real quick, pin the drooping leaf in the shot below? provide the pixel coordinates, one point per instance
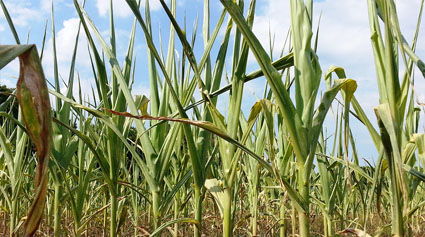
(215, 187)
(202, 124)
(33, 97)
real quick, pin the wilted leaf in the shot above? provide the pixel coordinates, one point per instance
(33, 97)
(142, 102)
(215, 187)
(202, 124)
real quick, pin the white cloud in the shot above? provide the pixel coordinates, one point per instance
(344, 36)
(121, 8)
(65, 42)
(140, 89)
(274, 17)
(344, 39)
(22, 12)
(46, 5)
(12, 68)
(10, 83)
(344, 32)
(9, 74)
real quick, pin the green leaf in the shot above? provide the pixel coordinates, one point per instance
(202, 124)
(10, 52)
(63, 157)
(298, 135)
(352, 165)
(10, 22)
(414, 172)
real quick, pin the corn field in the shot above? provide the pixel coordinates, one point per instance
(172, 164)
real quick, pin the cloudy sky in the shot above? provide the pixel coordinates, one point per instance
(343, 41)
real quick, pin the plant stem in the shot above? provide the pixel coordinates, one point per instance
(303, 216)
(155, 209)
(254, 211)
(13, 216)
(397, 219)
(227, 212)
(113, 220)
(56, 212)
(282, 219)
(198, 212)
(176, 215)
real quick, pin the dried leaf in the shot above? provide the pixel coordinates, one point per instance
(33, 98)
(359, 233)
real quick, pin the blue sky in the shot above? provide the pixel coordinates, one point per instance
(343, 41)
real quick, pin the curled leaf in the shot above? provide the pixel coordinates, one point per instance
(215, 187)
(33, 98)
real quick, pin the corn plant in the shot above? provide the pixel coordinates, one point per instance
(172, 163)
(393, 102)
(299, 119)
